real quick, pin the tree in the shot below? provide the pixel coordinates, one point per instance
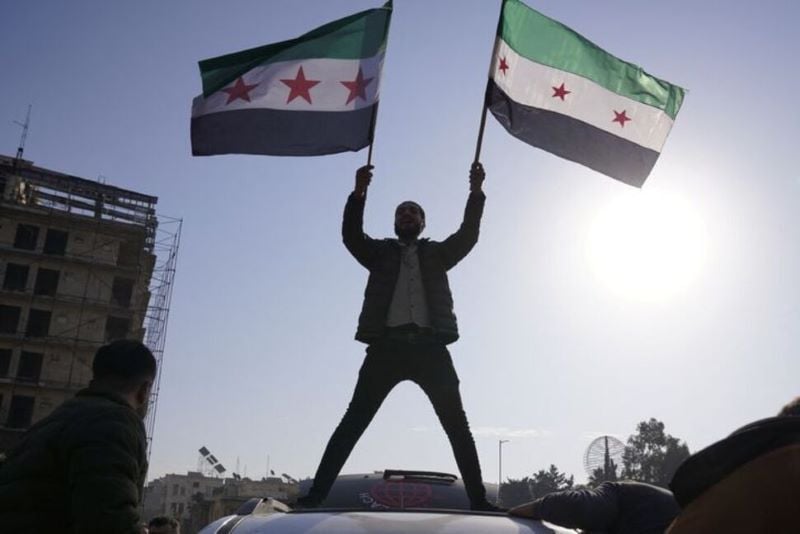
(652, 455)
(514, 492)
(545, 482)
(601, 474)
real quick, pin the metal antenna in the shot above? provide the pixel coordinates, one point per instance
(24, 136)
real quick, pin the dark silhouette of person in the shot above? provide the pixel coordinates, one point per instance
(81, 469)
(624, 507)
(407, 321)
(746, 482)
(163, 524)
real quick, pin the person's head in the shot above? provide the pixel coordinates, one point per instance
(791, 409)
(164, 525)
(128, 368)
(409, 220)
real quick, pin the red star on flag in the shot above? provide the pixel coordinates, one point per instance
(560, 91)
(239, 90)
(621, 118)
(300, 86)
(357, 87)
(503, 65)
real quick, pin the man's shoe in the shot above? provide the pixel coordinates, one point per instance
(486, 506)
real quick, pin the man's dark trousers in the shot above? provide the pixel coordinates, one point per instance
(389, 362)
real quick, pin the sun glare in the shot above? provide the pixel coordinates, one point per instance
(647, 246)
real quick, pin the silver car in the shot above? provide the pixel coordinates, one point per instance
(388, 502)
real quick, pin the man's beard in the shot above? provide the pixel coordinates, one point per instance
(407, 233)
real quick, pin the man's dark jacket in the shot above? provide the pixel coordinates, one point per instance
(624, 507)
(79, 470)
(382, 258)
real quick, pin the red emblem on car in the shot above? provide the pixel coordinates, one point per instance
(397, 494)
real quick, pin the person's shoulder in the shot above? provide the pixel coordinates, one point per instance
(769, 425)
(95, 412)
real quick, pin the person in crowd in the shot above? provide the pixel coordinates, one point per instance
(407, 321)
(624, 507)
(81, 469)
(747, 482)
(791, 409)
(163, 524)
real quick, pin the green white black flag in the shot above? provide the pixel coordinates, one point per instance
(313, 95)
(554, 89)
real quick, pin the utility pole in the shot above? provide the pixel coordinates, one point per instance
(500, 465)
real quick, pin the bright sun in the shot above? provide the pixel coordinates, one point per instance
(647, 246)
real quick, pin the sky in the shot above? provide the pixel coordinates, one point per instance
(586, 307)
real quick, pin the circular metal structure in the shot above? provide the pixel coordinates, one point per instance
(603, 453)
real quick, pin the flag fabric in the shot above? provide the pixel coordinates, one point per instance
(553, 89)
(313, 95)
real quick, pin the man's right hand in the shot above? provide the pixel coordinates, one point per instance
(363, 178)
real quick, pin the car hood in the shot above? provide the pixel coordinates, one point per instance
(380, 522)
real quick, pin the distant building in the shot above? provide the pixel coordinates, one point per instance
(196, 500)
(172, 494)
(76, 261)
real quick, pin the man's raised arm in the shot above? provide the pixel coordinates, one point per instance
(357, 242)
(460, 243)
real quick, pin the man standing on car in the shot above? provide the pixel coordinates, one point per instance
(81, 469)
(407, 320)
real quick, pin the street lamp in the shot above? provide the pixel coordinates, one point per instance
(500, 465)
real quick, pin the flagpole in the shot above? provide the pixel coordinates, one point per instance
(486, 93)
(483, 124)
(372, 132)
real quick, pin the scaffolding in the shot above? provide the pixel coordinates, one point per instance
(165, 247)
(121, 258)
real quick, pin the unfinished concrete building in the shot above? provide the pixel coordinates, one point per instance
(77, 264)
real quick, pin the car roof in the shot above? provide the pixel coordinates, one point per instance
(392, 501)
(381, 522)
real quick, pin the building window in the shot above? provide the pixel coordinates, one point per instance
(174, 489)
(46, 282)
(117, 328)
(16, 278)
(5, 361)
(55, 242)
(20, 412)
(30, 366)
(180, 508)
(121, 291)
(9, 319)
(38, 323)
(26, 237)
